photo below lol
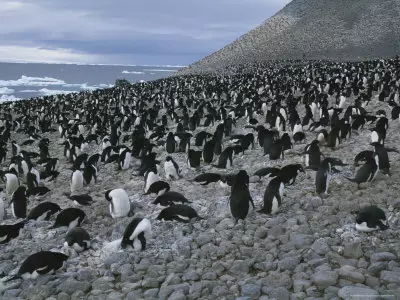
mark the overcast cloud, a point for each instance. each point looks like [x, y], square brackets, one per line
[175, 32]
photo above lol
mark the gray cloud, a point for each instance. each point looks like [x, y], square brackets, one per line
[128, 32]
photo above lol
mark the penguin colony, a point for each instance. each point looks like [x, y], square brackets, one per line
[194, 133]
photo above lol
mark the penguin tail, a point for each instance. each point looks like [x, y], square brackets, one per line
[382, 226]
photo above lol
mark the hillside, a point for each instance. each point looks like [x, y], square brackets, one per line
[313, 30]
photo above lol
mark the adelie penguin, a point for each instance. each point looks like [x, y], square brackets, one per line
[40, 263]
[171, 168]
[289, 173]
[240, 196]
[193, 159]
[19, 203]
[159, 187]
[170, 143]
[179, 212]
[135, 234]
[78, 239]
[120, 205]
[69, 217]
[225, 160]
[12, 183]
[270, 171]
[9, 232]
[149, 178]
[371, 218]
[81, 200]
[169, 198]
[368, 171]
[273, 196]
[43, 211]
[207, 178]
[323, 177]
[76, 181]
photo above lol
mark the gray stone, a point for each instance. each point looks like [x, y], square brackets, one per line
[390, 277]
[151, 293]
[320, 246]
[277, 279]
[102, 284]
[71, 285]
[353, 250]
[323, 279]
[63, 296]
[190, 274]
[301, 285]
[349, 273]
[355, 292]
[177, 295]
[279, 293]
[219, 291]
[239, 266]
[251, 290]
[376, 267]
[209, 276]
[382, 256]
[149, 283]
[289, 263]
[11, 293]
[115, 296]
[86, 274]
[261, 233]
[204, 238]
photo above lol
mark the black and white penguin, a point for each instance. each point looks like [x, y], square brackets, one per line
[323, 177]
[225, 160]
[371, 218]
[120, 205]
[19, 203]
[171, 168]
[240, 196]
[193, 159]
[383, 157]
[170, 143]
[149, 178]
[312, 154]
[169, 198]
[12, 183]
[367, 172]
[134, 234]
[207, 178]
[76, 181]
[270, 171]
[43, 211]
[78, 239]
[124, 159]
[362, 156]
[89, 174]
[70, 217]
[289, 173]
[273, 196]
[158, 187]
[82, 199]
[15, 148]
[40, 263]
[9, 232]
[37, 191]
[179, 212]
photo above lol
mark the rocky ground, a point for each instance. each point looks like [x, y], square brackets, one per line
[310, 250]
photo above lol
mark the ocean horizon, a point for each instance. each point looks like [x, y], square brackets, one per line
[25, 80]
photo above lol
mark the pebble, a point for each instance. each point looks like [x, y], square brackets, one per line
[251, 290]
[323, 279]
[348, 292]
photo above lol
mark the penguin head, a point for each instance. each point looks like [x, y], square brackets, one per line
[107, 195]
[168, 158]
[300, 168]
[242, 178]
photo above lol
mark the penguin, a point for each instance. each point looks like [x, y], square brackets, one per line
[89, 174]
[43, 211]
[9, 232]
[371, 218]
[76, 181]
[179, 212]
[276, 150]
[227, 180]
[171, 168]
[37, 191]
[289, 173]
[367, 172]
[193, 159]
[94, 159]
[15, 148]
[313, 154]
[19, 203]
[83, 199]
[70, 217]
[225, 160]
[383, 158]
[12, 183]
[273, 196]
[158, 187]
[170, 143]
[362, 156]
[78, 239]
[134, 234]
[149, 178]
[323, 177]
[207, 178]
[40, 263]
[270, 171]
[124, 159]
[2, 208]
[286, 142]
[169, 198]
[120, 205]
[240, 196]
[208, 151]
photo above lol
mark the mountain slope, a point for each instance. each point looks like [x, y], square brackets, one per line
[315, 29]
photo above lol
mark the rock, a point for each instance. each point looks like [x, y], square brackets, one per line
[71, 285]
[177, 295]
[289, 263]
[349, 273]
[261, 233]
[376, 267]
[278, 293]
[204, 238]
[209, 276]
[382, 256]
[320, 246]
[102, 284]
[115, 296]
[323, 279]
[251, 290]
[390, 277]
[353, 250]
[301, 285]
[190, 274]
[149, 283]
[239, 266]
[277, 279]
[351, 292]
[151, 293]
[219, 291]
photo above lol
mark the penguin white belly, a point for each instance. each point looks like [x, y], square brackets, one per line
[32, 275]
[223, 184]
[374, 137]
[321, 138]
[151, 178]
[121, 207]
[170, 171]
[43, 216]
[137, 245]
[13, 211]
[364, 228]
[3, 238]
[297, 128]
[77, 181]
[328, 179]
[2, 211]
[127, 161]
[73, 223]
[275, 206]
[307, 160]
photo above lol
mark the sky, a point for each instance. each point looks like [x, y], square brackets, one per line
[125, 32]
